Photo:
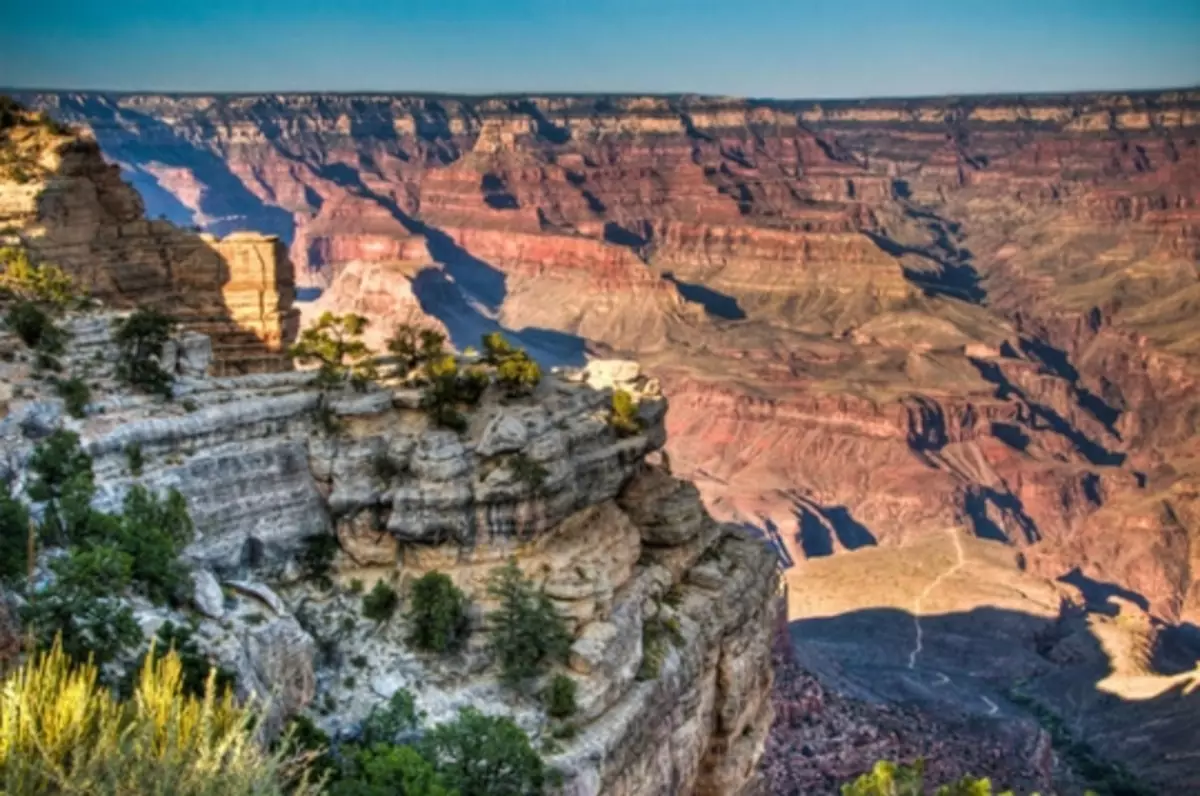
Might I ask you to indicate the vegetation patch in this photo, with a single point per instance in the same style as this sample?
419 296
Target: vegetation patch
623 415
140 340
334 343
380 603
75 393
527 633
559 697
438 613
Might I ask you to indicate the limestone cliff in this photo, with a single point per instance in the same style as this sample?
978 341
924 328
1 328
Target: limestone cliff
616 542
71 208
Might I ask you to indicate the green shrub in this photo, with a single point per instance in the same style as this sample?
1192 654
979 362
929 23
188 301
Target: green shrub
388 770
334 343
134 459
316 557
140 339
438 613
36 328
559 697
154 532
657 636
63 481
889 779
496 349
527 633
623 417
480 755
303 740
518 375
14 536
80 607
380 603
413 347
388 724
75 394
444 392
61 733
529 472
44 285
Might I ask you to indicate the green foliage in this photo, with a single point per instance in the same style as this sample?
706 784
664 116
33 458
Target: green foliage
75 394
527 633
37 330
623 416
413 347
334 343
438 613
890 779
134 459
44 285
559 697
140 339
528 471
316 557
195 666
516 372
154 532
447 388
480 755
14 536
657 636
62 733
80 607
389 724
63 480
380 603
388 770
303 739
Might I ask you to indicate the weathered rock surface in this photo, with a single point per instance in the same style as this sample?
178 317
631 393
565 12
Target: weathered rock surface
263 478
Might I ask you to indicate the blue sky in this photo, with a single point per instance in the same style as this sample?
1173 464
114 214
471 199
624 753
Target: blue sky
762 48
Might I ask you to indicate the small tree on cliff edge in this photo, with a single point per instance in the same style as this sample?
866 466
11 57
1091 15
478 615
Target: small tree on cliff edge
335 343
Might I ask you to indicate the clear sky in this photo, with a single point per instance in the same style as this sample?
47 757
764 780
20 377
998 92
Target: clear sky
761 48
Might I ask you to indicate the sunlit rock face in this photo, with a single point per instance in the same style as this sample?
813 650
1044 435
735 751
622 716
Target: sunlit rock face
616 543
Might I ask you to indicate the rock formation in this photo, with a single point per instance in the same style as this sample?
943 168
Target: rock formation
74 210
616 543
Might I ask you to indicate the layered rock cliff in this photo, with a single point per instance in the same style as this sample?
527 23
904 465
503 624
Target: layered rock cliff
269 462
72 209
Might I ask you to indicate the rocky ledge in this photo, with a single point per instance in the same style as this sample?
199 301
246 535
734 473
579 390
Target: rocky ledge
268 463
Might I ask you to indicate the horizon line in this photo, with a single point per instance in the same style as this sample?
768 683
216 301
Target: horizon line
1017 94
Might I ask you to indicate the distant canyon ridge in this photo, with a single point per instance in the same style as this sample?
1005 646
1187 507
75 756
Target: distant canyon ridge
876 321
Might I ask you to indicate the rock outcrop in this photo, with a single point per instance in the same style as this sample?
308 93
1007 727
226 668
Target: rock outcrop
74 210
619 545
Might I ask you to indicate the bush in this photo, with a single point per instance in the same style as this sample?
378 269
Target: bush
134 458
623 416
75 394
527 633
63 481
380 603
559 697
479 755
44 285
14 536
447 388
81 608
387 770
438 613
316 557
528 471
154 532
518 375
140 340
64 734
334 343
392 723
496 349
414 347
889 779
36 329
657 633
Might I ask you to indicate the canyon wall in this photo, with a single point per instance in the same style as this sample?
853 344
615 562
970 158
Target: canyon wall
977 311
74 210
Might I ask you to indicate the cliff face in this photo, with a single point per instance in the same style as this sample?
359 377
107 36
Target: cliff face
74 210
606 534
875 319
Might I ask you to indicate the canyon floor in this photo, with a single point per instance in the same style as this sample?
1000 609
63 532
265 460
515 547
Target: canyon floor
943 354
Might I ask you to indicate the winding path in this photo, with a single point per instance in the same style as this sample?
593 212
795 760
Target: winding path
916 609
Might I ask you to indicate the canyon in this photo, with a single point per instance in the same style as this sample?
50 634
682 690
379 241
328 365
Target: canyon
882 326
